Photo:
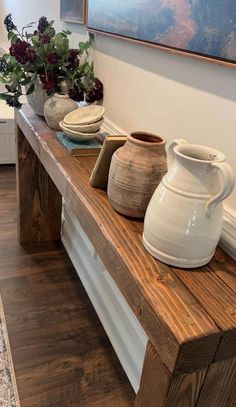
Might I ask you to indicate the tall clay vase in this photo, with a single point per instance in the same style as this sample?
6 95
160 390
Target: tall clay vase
183 221
56 108
136 170
37 99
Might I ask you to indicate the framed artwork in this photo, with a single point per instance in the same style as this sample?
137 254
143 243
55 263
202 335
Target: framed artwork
73 11
201 28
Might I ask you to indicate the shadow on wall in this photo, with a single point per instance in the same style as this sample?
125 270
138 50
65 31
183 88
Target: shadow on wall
179 68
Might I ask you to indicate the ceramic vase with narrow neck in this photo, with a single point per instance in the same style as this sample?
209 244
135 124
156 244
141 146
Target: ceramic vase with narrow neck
136 170
38 97
183 221
56 108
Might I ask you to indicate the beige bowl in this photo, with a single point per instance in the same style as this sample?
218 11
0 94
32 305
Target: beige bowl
75 135
86 128
84 115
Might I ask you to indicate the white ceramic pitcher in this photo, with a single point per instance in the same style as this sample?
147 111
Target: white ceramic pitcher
183 220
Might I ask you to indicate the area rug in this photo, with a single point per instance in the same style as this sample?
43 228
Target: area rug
8 388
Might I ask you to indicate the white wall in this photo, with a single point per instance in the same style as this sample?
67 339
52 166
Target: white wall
153 90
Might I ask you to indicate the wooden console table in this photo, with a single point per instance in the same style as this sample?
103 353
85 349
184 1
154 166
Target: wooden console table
189 316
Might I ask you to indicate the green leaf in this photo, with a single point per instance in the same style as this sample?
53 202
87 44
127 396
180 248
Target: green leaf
30 90
10 35
14 38
3 96
82 47
91 37
67 32
26 81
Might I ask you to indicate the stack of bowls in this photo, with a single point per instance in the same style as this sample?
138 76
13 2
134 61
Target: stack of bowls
83 123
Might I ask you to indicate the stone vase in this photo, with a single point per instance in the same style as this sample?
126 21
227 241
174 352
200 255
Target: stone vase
56 108
37 99
136 170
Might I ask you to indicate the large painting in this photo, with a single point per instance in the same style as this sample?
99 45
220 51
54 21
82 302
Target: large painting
73 11
200 27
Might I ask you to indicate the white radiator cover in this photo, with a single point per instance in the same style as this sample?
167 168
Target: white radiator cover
121 325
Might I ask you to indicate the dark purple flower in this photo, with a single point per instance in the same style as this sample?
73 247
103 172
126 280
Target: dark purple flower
95 92
18 50
73 58
49 81
3 65
31 54
43 24
12 101
45 39
53 58
8 88
10 26
76 93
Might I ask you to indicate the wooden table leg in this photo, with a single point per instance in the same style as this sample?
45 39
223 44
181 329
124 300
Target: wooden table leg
39 201
159 388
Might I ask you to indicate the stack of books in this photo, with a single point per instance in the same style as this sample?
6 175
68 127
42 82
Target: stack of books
88 148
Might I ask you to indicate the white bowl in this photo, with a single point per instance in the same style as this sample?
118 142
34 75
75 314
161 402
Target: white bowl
75 135
86 128
85 115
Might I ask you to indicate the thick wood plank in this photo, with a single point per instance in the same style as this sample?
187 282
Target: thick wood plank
155 381
178 327
39 201
61 354
160 389
218 300
219 389
225 268
185 389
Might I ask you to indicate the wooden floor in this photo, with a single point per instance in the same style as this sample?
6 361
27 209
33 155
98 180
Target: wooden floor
61 354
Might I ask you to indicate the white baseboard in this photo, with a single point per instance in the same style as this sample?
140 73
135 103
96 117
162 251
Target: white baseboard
109 128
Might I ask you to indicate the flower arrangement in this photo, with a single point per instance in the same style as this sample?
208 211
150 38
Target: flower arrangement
46 54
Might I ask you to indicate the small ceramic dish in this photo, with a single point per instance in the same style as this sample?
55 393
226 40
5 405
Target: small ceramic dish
75 135
86 128
84 115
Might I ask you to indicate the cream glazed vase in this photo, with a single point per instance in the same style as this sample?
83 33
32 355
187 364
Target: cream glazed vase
56 108
183 221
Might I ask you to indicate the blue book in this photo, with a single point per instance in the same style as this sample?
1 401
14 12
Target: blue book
79 148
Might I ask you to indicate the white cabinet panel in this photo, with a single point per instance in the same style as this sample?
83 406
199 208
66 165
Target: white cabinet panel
7 137
7 148
123 329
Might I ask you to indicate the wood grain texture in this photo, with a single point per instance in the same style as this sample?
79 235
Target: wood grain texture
61 354
219 389
218 300
176 324
155 381
184 390
39 201
160 389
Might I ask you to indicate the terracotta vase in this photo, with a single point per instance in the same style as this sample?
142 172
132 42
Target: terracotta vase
56 108
136 170
183 221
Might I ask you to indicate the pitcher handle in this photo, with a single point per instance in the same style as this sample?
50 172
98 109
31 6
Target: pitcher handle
173 144
228 181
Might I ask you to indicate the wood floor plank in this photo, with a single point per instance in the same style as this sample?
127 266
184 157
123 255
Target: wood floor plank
61 354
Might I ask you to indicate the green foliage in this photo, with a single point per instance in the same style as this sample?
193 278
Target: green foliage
46 54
